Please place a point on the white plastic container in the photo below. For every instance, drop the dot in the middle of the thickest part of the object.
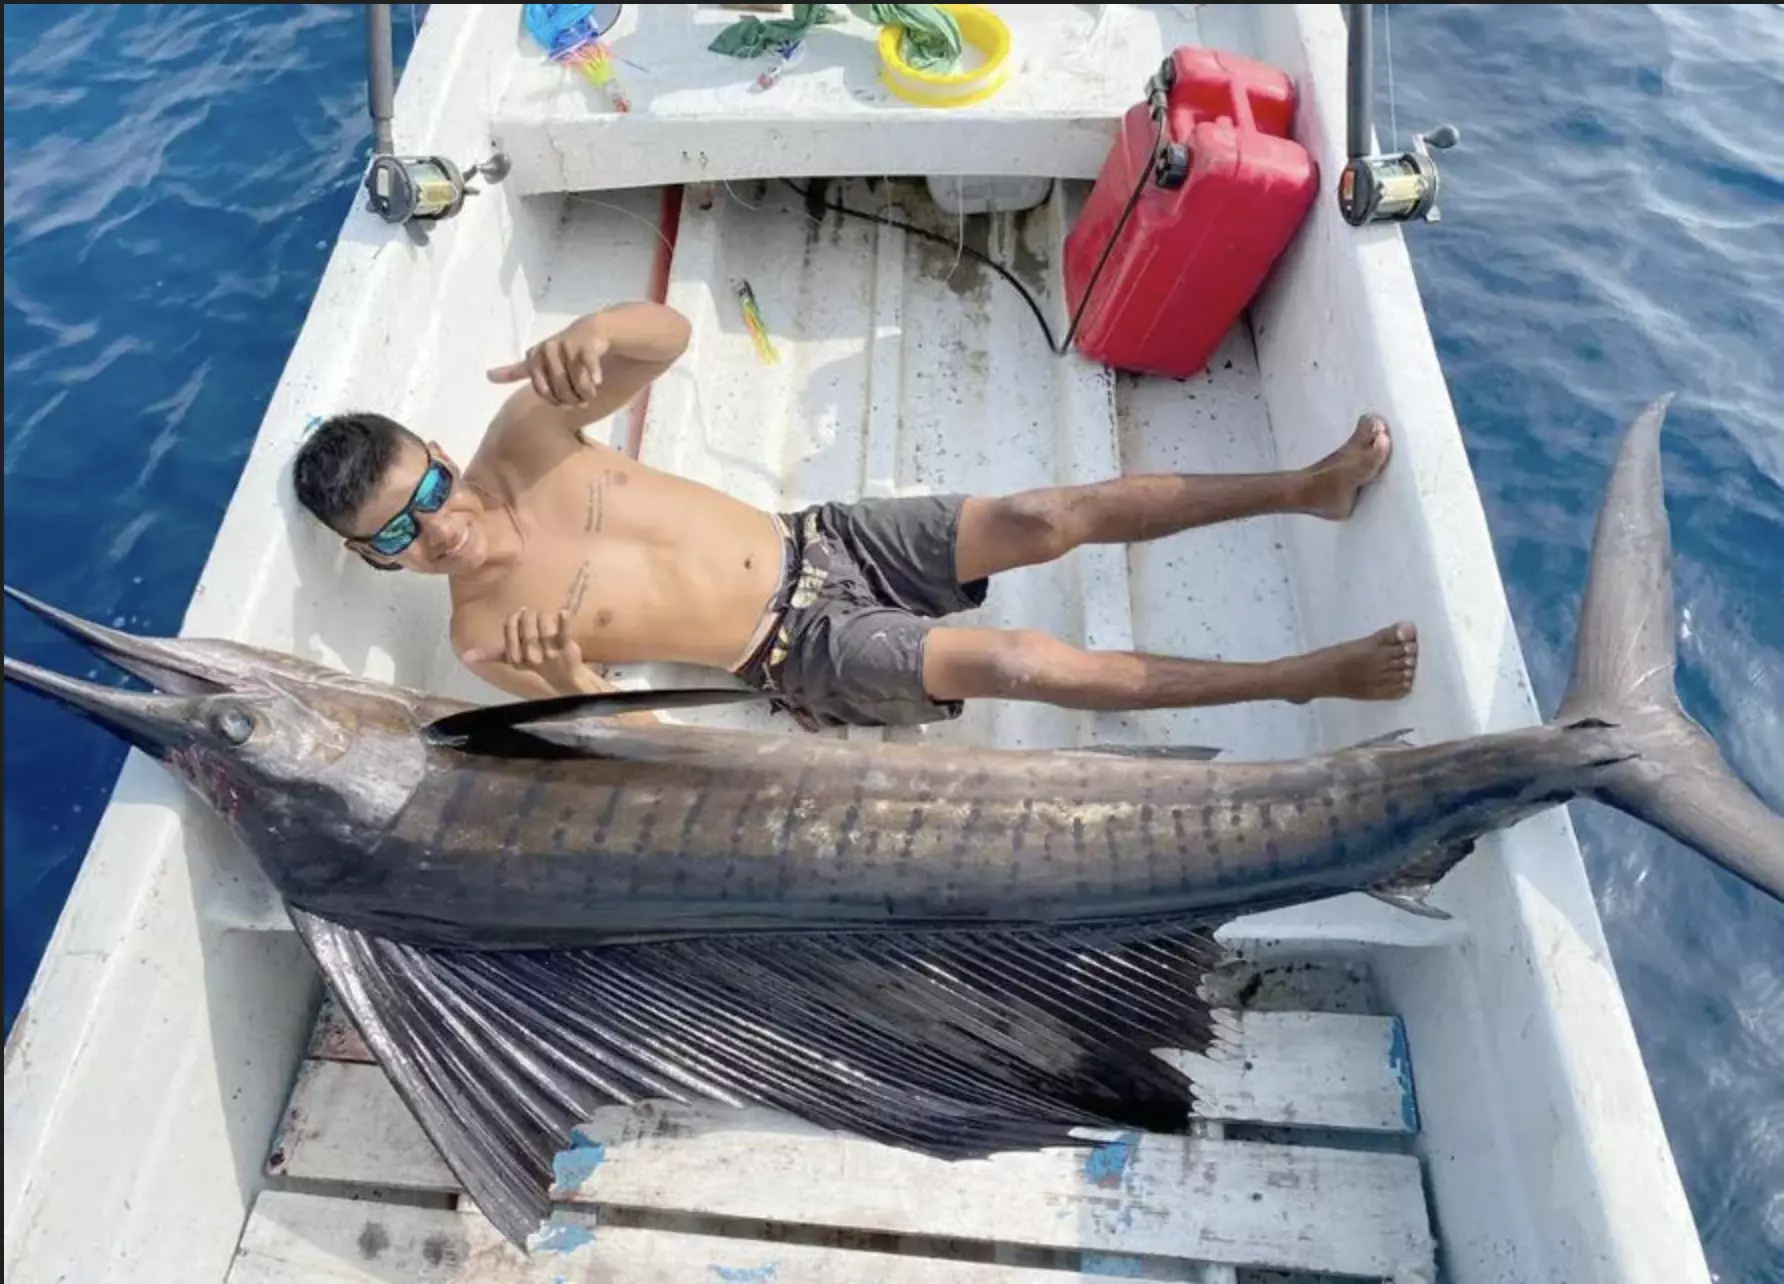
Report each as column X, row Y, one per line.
column 983, row 194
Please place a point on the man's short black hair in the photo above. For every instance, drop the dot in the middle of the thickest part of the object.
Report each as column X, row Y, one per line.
column 338, row 469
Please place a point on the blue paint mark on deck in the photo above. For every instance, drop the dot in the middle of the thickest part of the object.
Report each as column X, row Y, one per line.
column 745, row 1274
column 1400, row 1062
column 561, row 1237
column 571, row 1168
column 1106, row 1166
column 1112, row 1264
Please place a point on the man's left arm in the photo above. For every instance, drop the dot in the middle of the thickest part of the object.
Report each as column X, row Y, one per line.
column 537, row 658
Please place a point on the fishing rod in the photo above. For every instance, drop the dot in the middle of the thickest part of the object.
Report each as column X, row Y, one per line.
column 1377, row 187
column 413, row 192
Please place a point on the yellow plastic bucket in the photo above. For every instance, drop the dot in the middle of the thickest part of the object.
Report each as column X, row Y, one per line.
column 985, row 37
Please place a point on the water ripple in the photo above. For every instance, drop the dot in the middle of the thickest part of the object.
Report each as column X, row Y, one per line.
column 1614, row 226
column 167, row 216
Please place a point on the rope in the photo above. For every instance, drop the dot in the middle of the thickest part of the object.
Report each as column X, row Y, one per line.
column 1059, row 348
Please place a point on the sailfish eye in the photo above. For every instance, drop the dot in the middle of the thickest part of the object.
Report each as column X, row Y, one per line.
column 234, row 725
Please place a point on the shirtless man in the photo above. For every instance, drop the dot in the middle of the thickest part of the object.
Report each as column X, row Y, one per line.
column 560, row 554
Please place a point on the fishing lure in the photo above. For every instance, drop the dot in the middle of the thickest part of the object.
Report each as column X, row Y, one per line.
column 786, row 57
column 752, row 317
column 569, row 36
column 596, row 62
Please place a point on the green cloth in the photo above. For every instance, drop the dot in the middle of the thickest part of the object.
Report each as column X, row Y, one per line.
column 931, row 37
column 751, row 37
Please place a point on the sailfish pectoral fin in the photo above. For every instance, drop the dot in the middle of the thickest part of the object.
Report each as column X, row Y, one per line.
column 1162, row 753
column 489, row 728
column 1410, row 898
column 954, row 1043
column 1411, row 884
column 1399, row 738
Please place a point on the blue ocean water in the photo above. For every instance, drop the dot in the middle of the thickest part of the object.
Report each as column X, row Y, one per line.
column 175, row 177
column 1614, row 227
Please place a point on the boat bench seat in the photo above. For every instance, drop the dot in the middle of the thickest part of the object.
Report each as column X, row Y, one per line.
column 1297, row 1162
column 697, row 116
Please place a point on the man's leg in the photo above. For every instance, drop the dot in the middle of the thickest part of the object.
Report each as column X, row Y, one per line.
column 1020, row 664
column 1000, row 534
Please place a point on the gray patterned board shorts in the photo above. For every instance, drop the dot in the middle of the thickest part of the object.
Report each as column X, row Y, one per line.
column 862, row 585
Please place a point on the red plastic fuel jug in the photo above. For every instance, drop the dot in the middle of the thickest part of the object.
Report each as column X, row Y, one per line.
column 1215, row 204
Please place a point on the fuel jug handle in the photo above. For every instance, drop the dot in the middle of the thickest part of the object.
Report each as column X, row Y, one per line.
column 1158, row 91
column 1243, row 116
column 1170, row 159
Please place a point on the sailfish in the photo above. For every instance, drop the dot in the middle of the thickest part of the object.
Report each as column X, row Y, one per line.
column 531, row 912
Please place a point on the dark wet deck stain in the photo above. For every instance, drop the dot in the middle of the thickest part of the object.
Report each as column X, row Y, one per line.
column 437, row 1250
column 373, row 1240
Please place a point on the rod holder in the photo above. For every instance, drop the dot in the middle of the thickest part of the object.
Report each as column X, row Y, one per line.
column 380, row 77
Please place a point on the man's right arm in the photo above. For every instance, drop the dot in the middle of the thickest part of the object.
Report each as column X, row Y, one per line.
column 593, row 366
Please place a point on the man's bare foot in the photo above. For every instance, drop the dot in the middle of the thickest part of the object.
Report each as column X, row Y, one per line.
column 1332, row 485
column 1378, row 667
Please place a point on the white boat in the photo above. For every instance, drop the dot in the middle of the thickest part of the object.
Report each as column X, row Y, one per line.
column 1399, row 1097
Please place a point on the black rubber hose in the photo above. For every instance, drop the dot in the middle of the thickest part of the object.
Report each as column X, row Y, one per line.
column 814, row 201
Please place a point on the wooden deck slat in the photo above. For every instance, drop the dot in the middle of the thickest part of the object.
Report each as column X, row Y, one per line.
column 334, row 1036
column 1307, row 1069
column 1198, row 1199
column 345, row 1123
column 1236, row 1203
column 313, row 1239
column 1296, row 1068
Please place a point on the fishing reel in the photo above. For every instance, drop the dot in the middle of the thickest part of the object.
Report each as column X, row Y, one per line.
column 415, row 192
column 1375, row 188
column 1395, row 188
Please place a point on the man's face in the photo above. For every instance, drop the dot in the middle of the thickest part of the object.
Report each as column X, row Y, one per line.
column 422, row 517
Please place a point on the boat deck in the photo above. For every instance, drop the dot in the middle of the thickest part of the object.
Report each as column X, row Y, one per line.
column 1298, row 1171
column 902, row 366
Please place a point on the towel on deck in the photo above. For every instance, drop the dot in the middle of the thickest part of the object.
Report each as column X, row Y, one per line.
column 931, row 36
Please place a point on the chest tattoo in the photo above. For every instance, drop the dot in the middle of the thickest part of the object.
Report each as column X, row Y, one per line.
column 596, row 516
column 578, row 590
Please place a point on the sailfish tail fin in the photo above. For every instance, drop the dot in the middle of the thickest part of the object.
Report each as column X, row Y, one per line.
column 1673, row 776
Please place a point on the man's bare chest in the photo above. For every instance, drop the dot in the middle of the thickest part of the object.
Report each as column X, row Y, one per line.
column 576, row 504
column 573, row 569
